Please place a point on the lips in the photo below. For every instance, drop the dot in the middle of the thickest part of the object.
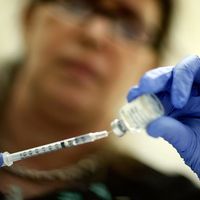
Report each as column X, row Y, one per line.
column 82, row 69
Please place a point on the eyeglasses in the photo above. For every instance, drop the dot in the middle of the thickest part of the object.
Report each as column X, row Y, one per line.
column 123, row 24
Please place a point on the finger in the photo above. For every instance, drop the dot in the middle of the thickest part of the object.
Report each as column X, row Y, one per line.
column 152, row 82
column 133, row 93
column 183, row 77
column 176, row 133
column 165, row 100
column 156, row 80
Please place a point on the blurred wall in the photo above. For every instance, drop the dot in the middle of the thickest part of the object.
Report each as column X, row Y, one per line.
column 10, row 28
column 185, row 32
column 184, row 40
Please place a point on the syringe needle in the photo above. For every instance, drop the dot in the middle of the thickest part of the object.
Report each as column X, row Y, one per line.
column 7, row 159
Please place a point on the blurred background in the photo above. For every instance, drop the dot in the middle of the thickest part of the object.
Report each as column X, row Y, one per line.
column 184, row 40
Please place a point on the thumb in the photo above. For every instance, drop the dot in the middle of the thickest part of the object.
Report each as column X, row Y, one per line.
column 176, row 133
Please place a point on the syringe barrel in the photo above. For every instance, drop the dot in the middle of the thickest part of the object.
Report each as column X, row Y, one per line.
column 35, row 151
column 7, row 159
column 51, row 147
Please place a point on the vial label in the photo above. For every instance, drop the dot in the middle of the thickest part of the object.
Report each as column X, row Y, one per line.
column 140, row 112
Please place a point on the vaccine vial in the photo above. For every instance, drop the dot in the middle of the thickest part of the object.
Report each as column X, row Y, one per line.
column 136, row 115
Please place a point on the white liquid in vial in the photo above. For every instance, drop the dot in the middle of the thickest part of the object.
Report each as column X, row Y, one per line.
column 136, row 115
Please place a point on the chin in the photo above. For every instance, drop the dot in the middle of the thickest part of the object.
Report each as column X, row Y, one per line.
column 71, row 99
column 78, row 101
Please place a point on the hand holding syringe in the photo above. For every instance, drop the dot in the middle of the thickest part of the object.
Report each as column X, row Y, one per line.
column 134, row 116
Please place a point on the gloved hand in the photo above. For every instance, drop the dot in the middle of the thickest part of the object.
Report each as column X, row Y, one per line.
column 178, row 88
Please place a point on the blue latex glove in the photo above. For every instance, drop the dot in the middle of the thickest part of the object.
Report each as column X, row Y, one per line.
column 178, row 88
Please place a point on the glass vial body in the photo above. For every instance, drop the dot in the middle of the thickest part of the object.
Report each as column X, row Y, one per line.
column 136, row 115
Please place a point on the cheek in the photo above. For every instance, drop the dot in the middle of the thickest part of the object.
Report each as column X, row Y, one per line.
column 47, row 38
column 129, row 64
column 125, row 67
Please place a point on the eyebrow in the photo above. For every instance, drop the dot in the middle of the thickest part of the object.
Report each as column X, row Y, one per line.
column 116, row 5
column 118, row 8
column 114, row 8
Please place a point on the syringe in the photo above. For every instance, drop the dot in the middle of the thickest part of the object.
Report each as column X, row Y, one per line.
column 7, row 159
column 134, row 116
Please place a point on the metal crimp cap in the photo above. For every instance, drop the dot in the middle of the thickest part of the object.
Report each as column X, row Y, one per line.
column 118, row 127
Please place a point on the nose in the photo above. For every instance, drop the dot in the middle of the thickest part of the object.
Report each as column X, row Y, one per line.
column 95, row 32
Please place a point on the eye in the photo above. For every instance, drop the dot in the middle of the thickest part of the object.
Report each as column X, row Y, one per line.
column 129, row 30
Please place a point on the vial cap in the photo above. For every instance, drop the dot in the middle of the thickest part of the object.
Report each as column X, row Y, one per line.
column 118, row 127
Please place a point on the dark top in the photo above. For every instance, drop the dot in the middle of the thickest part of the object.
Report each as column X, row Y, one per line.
column 123, row 178
column 127, row 179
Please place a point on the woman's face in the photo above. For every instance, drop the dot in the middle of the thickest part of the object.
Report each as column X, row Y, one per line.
column 86, row 55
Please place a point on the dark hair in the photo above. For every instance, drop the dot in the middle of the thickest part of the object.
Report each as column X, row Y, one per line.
column 167, row 13
column 166, row 7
